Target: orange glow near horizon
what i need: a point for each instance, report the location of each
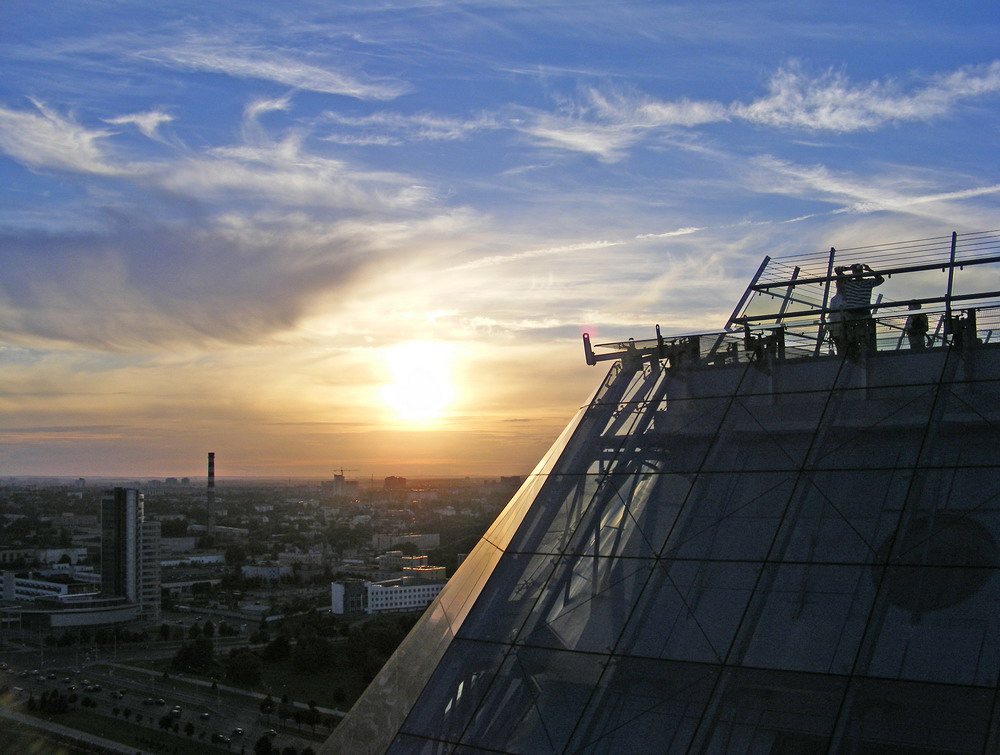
(421, 387)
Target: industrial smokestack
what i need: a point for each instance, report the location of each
(211, 492)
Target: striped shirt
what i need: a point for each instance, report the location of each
(857, 291)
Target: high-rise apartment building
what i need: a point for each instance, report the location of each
(130, 551)
(779, 537)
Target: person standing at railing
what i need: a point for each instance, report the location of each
(835, 322)
(856, 288)
(916, 327)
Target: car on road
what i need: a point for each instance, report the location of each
(271, 733)
(205, 716)
(221, 738)
(237, 732)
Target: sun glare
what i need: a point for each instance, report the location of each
(421, 387)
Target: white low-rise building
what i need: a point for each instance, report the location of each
(403, 595)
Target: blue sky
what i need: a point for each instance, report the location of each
(369, 235)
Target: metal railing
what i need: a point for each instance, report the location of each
(785, 312)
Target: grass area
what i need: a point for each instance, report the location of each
(144, 737)
(337, 688)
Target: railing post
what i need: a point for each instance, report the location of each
(821, 334)
(951, 275)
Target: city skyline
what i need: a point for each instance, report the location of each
(370, 236)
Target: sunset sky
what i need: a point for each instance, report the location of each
(368, 234)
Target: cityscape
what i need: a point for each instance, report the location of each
(490, 377)
(180, 615)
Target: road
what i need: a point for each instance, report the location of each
(219, 711)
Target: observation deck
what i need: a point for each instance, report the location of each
(786, 312)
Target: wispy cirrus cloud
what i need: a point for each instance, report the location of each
(500, 259)
(607, 123)
(250, 62)
(44, 138)
(905, 192)
(832, 102)
(391, 128)
(148, 122)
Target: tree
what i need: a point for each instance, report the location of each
(236, 555)
(277, 649)
(195, 656)
(244, 667)
(262, 746)
(194, 632)
(267, 706)
(312, 653)
(164, 632)
(208, 629)
(189, 729)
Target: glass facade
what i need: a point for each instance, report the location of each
(774, 555)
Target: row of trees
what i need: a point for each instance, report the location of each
(206, 629)
(102, 636)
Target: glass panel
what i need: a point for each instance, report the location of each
(843, 516)
(586, 603)
(535, 701)
(454, 692)
(807, 617)
(616, 521)
(772, 712)
(502, 530)
(644, 706)
(407, 745)
(561, 505)
(464, 587)
(937, 624)
(684, 432)
(690, 610)
(874, 428)
(892, 717)
(514, 587)
(731, 516)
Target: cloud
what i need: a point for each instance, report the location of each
(607, 123)
(501, 259)
(239, 280)
(906, 191)
(148, 123)
(831, 102)
(405, 128)
(285, 175)
(248, 62)
(46, 139)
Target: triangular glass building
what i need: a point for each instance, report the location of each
(744, 542)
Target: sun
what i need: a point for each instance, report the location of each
(420, 388)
